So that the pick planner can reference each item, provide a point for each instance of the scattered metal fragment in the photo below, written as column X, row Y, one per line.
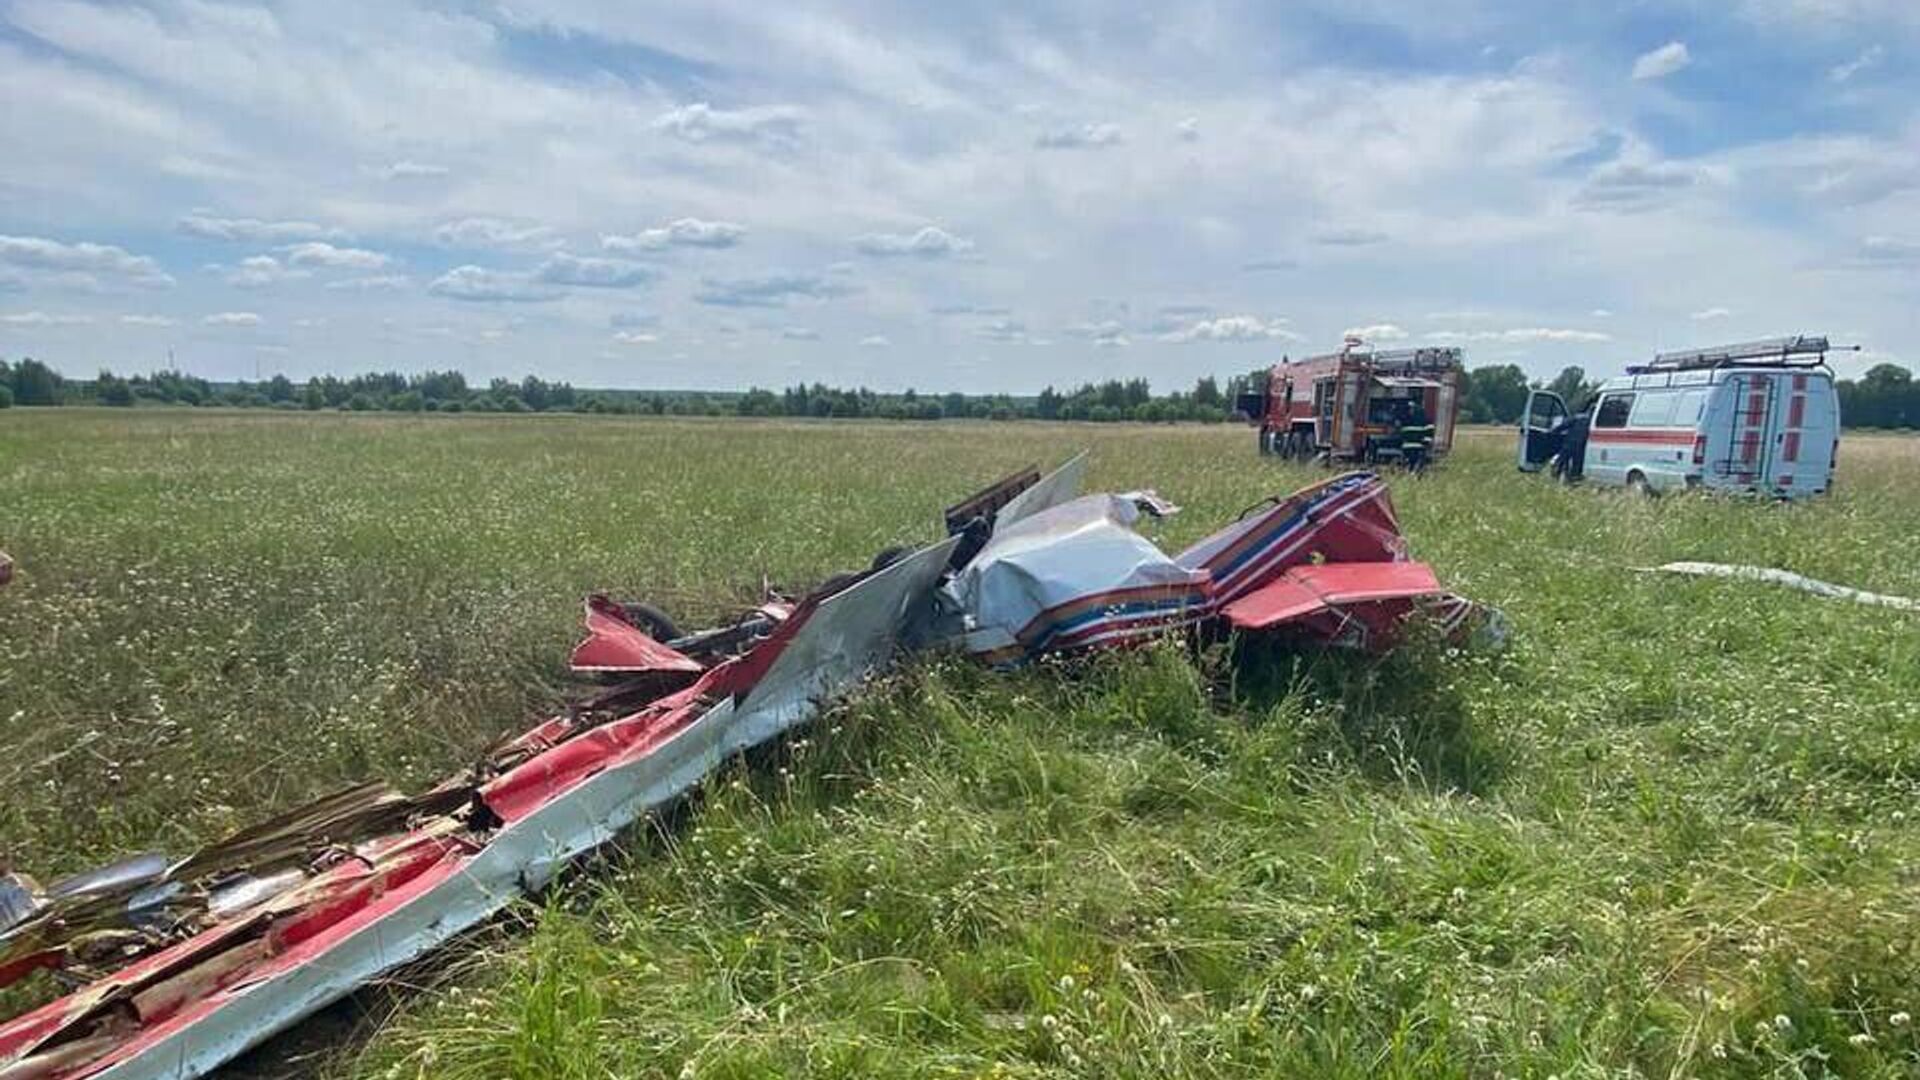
column 1788, row 578
column 182, row 965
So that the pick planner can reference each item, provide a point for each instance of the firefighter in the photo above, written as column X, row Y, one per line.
column 1416, row 436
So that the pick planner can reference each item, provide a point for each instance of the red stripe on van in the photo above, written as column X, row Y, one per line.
column 1756, row 407
column 1797, row 409
column 1750, row 447
column 1799, row 384
column 1641, row 438
column 1790, row 450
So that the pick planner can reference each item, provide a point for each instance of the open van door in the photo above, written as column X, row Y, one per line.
column 1540, row 433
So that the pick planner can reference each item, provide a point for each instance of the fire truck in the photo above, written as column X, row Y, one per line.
column 1360, row 404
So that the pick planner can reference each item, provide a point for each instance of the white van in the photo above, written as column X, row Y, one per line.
column 1757, row 417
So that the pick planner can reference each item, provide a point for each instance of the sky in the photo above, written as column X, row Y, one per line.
column 968, row 196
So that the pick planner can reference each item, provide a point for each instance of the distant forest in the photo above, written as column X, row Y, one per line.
column 1885, row 397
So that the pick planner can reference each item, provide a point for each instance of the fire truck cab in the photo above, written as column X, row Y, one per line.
column 1360, row 404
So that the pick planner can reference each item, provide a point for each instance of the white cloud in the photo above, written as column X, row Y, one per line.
column 1233, row 328
column 1601, row 313
column 252, row 230
column 1376, row 333
column 1188, row 130
column 1350, row 237
column 37, row 253
column 1632, row 186
column 487, row 232
column 1887, row 251
column 1523, row 335
column 480, row 285
column 319, row 253
column 1008, row 330
column 875, row 341
column 635, row 337
column 260, row 271
column 233, row 318
column 146, row 320
column 930, row 242
column 1870, row 58
column 799, row 333
column 700, row 123
column 767, row 290
column 1104, row 333
column 371, row 283
column 412, row 170
column 1708, row 314
column 686, row 232
column 1084, row 137
column 41, row 318
column 1277, row 262
column 564, row 269
column 1662, row 62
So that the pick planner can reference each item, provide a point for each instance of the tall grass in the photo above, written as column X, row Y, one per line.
column 1669, row 832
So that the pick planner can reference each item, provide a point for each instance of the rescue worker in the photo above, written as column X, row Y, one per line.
column 1416, row 436
column 1570, row 458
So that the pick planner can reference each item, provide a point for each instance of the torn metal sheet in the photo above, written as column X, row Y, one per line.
column 1307, row 590
column 187, row 963
column 1075, row 574
column 1058, row 486
column 1328, row 560
column 1789, row 579
column 614, row 645
column 367, row 879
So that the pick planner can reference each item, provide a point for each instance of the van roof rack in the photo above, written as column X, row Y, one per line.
column 1798, row 351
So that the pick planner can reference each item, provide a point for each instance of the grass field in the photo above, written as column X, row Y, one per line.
column 1672, row 831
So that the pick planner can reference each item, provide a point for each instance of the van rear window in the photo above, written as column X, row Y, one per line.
column 1614, row 410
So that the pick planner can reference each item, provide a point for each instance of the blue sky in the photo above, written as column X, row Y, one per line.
column 967, row 196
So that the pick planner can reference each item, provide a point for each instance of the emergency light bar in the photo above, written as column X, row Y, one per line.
column 1781, row 350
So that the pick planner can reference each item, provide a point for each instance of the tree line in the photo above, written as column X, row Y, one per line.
column 1886, row 396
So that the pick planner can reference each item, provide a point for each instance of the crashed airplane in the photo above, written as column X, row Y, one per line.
column 176, row 966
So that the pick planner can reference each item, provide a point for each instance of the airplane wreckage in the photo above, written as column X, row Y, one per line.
column 176, row 966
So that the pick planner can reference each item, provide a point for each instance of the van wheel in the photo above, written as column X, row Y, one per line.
column 1637, row 484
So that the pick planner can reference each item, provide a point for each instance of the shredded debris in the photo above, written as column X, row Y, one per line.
column 181, row 965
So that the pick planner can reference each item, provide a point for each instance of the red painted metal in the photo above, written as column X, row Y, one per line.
column 614, row 644
column 1308, row 590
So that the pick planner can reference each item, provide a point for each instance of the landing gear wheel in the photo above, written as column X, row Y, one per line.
column 657, row 624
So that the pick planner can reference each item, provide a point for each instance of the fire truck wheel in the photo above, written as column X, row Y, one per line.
column 1266, row 443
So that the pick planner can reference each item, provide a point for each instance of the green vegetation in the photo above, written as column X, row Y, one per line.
column 1669, row 832
column 1886, row 397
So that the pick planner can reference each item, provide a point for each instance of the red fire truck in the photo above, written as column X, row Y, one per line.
column 1360, row 404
